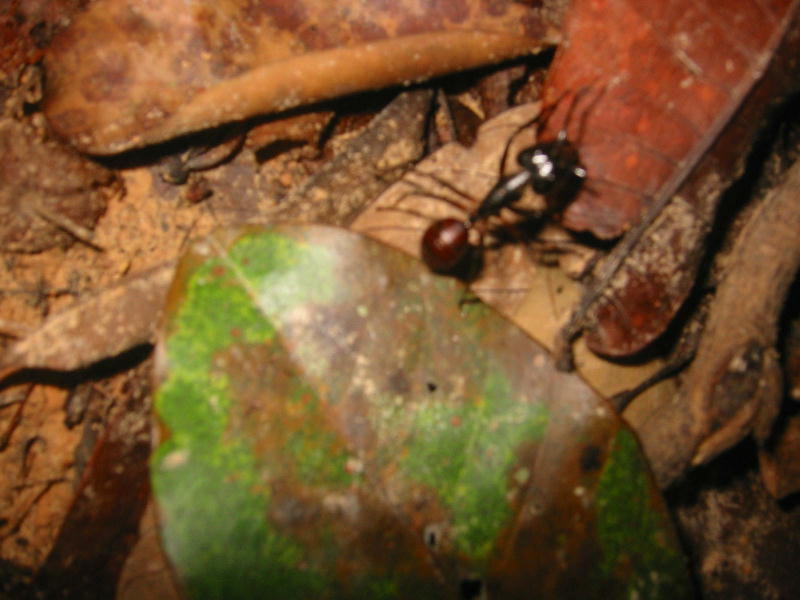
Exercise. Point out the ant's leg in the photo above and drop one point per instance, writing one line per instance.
(419, 191)
(529, 214)
(450, 195)
(476, 264)
(587, 110)
(469, 201)
(591, 185)
(473, 270)
(541, 118)
(576, 96)
(502, 286)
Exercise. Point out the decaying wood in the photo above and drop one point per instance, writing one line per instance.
(356, 175)
(738, 353)
(744, 544)
(734, 386)
(780, 468)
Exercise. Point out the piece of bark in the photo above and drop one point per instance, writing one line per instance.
(357, 174)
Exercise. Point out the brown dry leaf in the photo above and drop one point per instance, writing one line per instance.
(38, 469)
(72, 493)
(49, 194)
(125, 75)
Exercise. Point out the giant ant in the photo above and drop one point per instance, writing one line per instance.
(553, 170)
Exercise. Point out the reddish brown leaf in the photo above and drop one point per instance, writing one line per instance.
(669, 76)
(675, 98)
(100, 527)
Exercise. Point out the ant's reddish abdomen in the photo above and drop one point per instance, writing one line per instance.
(445, 245)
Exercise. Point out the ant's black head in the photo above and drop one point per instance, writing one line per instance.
(557, 173)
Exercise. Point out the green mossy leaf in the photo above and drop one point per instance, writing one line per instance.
(336, 426)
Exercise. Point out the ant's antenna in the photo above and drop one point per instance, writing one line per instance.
(542, 118)
(588, 108)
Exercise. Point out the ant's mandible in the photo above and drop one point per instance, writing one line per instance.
(552, 168)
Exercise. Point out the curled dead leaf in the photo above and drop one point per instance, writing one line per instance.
(126, 75)
(735, 383)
